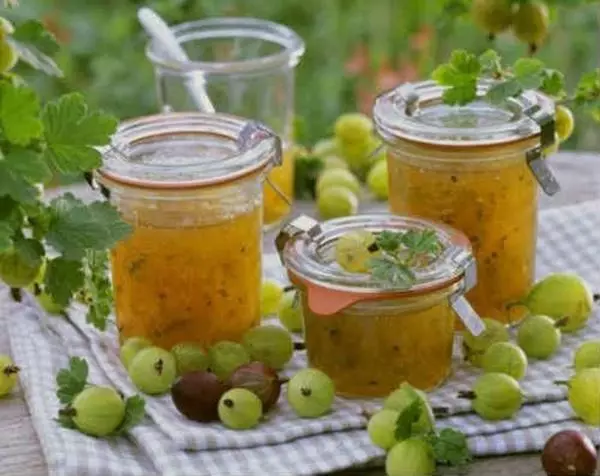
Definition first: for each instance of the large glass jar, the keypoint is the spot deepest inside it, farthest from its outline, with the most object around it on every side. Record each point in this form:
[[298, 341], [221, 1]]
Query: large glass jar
[[247, 66], [477, 169], [191, 187], [370, 336]]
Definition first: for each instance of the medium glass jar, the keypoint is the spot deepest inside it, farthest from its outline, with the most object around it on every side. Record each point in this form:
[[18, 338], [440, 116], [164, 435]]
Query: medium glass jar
[[367, 335], [191, 187], [247, 66], [476, 168]]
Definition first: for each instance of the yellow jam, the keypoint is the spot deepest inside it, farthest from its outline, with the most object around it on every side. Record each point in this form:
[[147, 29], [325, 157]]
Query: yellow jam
[[372, 347], [494, 202], [198, 281], [275, 208]]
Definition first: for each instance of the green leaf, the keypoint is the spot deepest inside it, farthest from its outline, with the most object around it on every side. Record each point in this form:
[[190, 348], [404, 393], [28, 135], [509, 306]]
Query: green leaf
[[407, 417], [491, 63], [71, 132], [421, 241], [135, 410], [444, 74], [6, 232], [62, 279], [71, 381], [529, 73], [503, 90], [19, 114], [34, 33], [588, 87], [77, 227], [19, 171], [30, 250], [450, 447], [554, 83], [389, 240], [98, 287], [66, 421], [306, 173], [391, 272], [465, 63], [461, 95]]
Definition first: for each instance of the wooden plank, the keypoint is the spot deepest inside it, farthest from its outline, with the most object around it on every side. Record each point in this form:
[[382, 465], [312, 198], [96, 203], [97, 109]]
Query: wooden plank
[[20, 453]]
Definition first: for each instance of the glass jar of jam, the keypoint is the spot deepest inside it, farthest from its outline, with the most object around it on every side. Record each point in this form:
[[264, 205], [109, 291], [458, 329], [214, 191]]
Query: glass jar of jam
[[191, 187], [370, 336], [475, 168], [247, 66]]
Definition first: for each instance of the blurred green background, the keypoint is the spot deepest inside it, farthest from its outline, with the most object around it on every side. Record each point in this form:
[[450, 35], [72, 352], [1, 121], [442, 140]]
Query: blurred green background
[[355, 48]]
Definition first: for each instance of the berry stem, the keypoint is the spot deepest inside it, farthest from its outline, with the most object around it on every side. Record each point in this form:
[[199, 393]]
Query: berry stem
[[67, 411], [289, 288], [16, 294], [228, 402], [299, 346], [440, 412], [282, 380], [467, 395], [10, 369], [596, 297], [561, 382], [562, 322]]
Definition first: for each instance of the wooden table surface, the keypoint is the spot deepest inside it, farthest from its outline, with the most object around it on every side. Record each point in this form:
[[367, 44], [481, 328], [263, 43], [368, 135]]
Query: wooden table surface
[[20, 452]]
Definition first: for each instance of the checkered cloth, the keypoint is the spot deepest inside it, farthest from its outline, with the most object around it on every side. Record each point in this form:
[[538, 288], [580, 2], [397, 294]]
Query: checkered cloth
[[167, 444]]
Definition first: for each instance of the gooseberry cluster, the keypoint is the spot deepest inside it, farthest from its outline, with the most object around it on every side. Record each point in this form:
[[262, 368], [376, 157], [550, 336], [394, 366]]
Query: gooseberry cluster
[[529, 20], [351, 156], [235, 382], [560, 302]]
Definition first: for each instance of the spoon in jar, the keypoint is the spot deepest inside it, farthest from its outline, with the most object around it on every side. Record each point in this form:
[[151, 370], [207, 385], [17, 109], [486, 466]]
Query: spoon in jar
[[160, 32]]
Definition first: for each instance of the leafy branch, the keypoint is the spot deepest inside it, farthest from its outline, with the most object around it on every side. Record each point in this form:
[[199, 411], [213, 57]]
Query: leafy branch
[[60, 247], [463, 72], [400, 253]]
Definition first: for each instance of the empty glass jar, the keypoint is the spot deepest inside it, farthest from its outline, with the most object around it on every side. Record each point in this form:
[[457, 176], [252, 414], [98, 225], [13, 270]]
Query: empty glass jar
[[247, 67]]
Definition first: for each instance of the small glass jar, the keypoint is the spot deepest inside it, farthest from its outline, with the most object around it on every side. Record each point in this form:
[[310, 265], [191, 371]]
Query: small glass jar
[[476, 168], [247, 67], [191, 187], [370, 336]]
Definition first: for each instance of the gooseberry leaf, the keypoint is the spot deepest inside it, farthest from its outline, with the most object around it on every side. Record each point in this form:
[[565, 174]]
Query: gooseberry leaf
[[529, 72], [6, 232], [98, 286], [306, 173], [588, 88], [20, 169], [72, 132], [33, 33], [62, 279], [503, 90], [491, 63], [76, 227], [450, 447], [71, 381], [135, 410], [407, 417], [66, 421], [19, 114], [30, 250], [554, 83]]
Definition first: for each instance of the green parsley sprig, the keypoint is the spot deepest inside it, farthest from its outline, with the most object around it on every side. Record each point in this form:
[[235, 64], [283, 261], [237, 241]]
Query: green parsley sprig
[[66, 239], [73, 380], [460, 76], [449, 446], [400, 253]]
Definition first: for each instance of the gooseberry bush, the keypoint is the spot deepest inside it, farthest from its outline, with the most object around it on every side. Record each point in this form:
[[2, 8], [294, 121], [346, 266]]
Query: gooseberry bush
[[58, 248]]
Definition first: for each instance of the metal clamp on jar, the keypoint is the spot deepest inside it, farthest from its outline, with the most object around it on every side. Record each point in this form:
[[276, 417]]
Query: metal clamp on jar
[[367, 335]]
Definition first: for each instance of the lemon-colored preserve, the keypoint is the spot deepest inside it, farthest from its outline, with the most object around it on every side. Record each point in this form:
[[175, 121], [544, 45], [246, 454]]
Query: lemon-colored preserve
[[248, 66], [275, 207], [368, 337], [467, 167], [191, 269], [371, 348], [493, 201]]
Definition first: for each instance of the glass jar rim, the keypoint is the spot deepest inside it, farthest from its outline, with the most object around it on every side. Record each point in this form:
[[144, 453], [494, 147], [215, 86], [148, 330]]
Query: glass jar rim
[[251, 148], [293, 46], [302, 256], [408, 112]]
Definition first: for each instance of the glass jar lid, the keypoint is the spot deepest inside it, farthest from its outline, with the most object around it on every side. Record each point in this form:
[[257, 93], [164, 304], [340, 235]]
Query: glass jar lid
[[307, 249], [188, 150], [415, 112]]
